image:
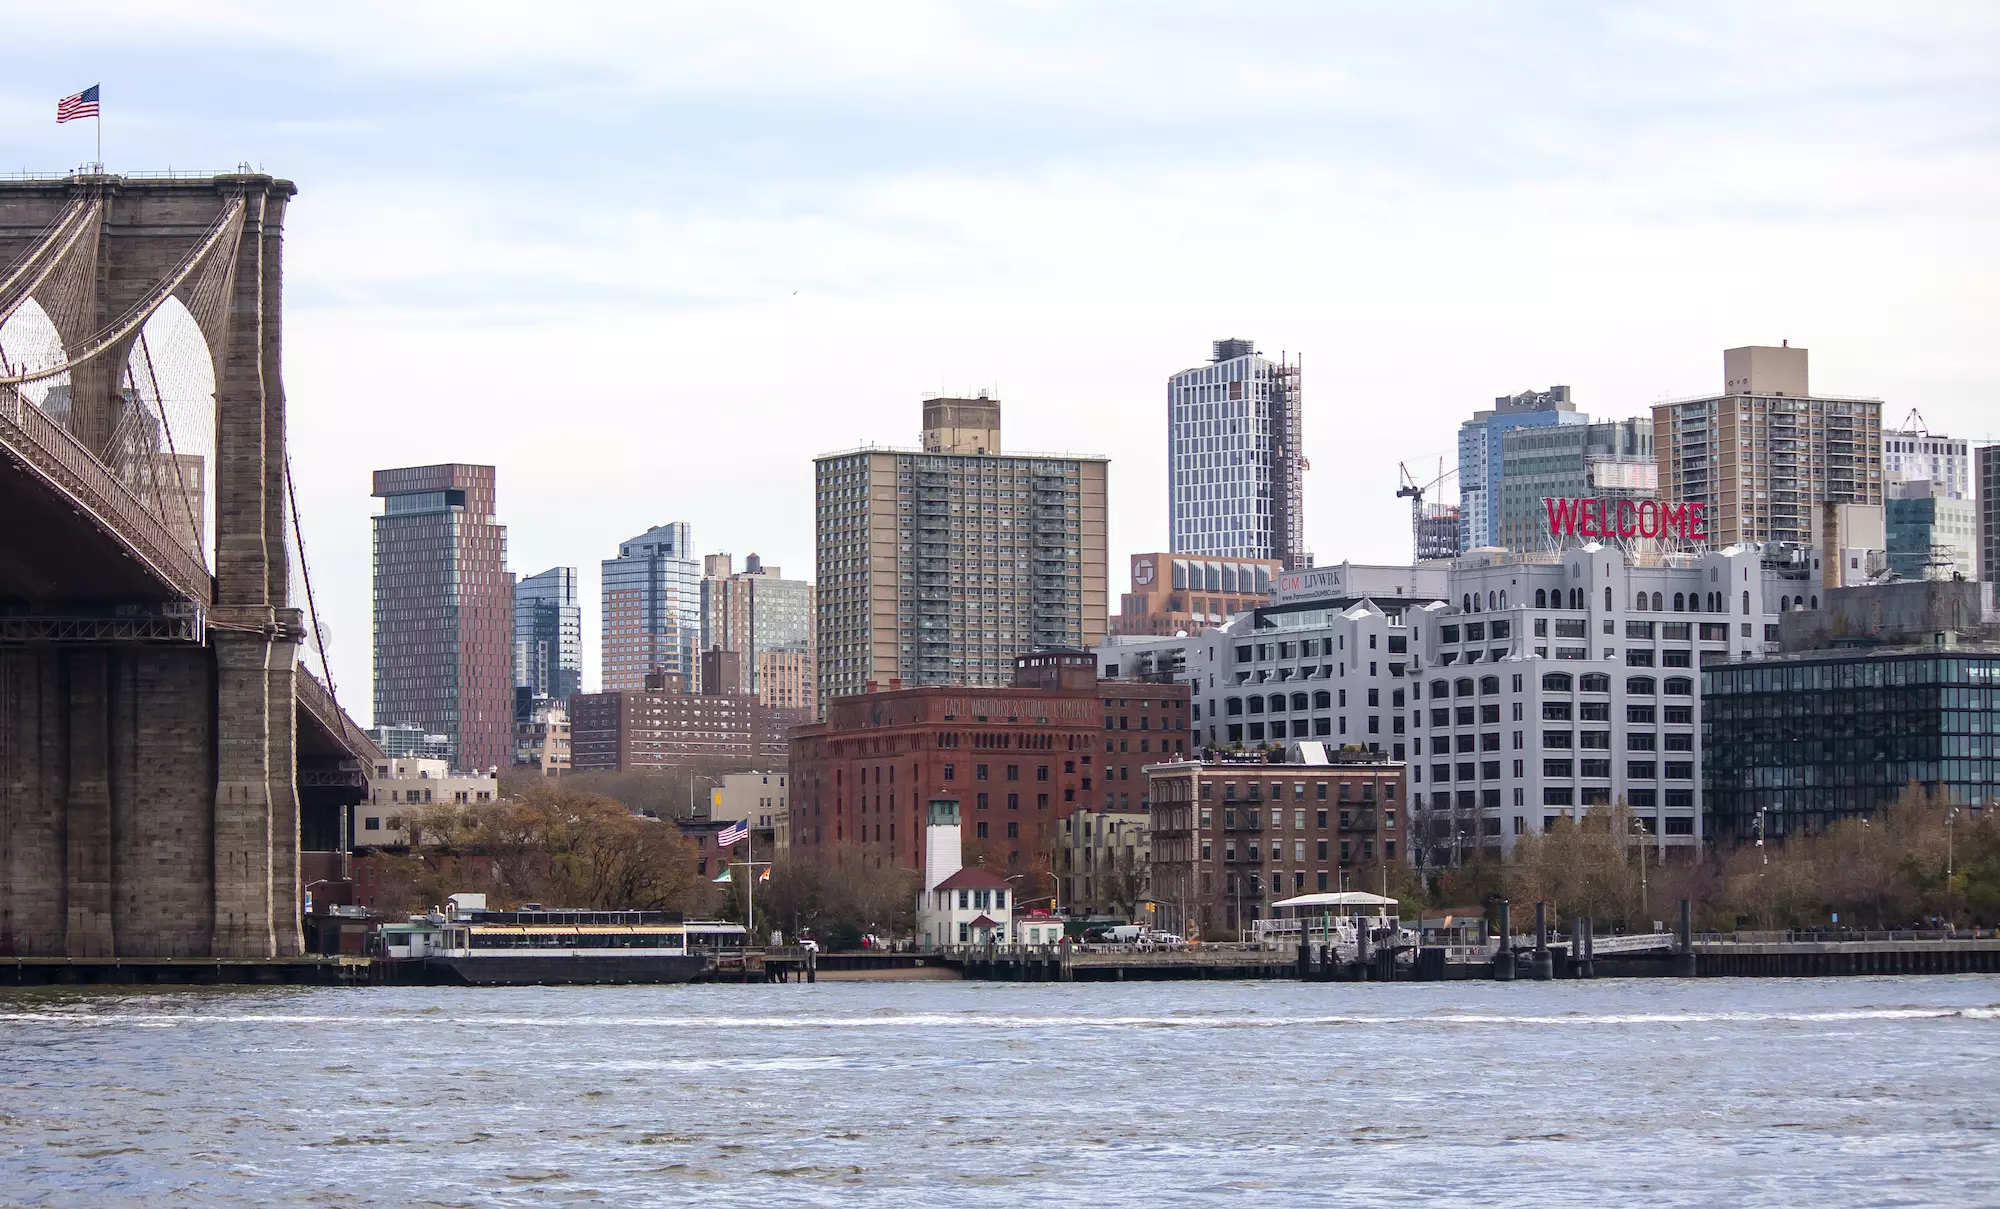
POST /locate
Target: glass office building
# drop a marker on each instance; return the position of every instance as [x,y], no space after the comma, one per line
[652,609]
[1812,738]
[548,635]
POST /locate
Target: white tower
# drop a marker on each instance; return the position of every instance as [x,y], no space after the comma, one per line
[943,851]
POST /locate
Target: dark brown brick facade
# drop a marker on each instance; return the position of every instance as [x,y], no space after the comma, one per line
[1019,760]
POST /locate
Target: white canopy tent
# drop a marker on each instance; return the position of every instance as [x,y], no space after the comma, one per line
[1345,898]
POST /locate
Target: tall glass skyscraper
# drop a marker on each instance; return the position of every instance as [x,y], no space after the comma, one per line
[548,635]
[443,606]
[652,609]
[1235,469]
[1481,465]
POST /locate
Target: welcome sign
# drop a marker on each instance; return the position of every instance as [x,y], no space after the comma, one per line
[1626,519]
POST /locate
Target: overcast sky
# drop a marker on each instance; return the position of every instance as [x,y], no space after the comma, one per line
[650,260]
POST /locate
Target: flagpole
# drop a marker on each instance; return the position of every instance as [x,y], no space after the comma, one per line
[750,873]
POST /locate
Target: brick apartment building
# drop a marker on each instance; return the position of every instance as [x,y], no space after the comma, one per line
[1231,838]
[1018,759]
[662,726]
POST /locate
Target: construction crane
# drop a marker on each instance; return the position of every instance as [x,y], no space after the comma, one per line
[1415,492]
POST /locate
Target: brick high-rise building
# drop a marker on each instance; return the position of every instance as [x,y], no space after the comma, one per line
[1764,455]
[444,611]
[660,727]
[1987,476]
[1019,759]
[939,566]
[768,621]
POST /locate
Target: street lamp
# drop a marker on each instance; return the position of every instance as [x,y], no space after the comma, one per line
[1949,815]
[1639,825]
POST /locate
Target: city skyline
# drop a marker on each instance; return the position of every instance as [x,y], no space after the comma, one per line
[789,271]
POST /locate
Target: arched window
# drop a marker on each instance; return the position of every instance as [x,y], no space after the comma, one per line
[1465,604]
[1815,602]
[1256,705]
[1462,687]
[1489,685]
[1576,599]
[1503,598]
[1440,690]
[1746,604]
[1489,600]
[1298,702]
[1639,685]
[1680,603]
[1607,597]
[1658,600]
[1232,706]
[1594,682]
[1277,703]
[1784,604]
[1679,686]
[1322,700]
[1639,602]
[1541,598]
[1556,682]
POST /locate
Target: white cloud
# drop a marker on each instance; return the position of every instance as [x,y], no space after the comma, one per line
[650,260]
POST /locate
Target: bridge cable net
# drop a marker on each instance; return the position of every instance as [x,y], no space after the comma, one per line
[136,394]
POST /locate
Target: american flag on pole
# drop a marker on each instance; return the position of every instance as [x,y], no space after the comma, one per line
[77,105]
[735,833]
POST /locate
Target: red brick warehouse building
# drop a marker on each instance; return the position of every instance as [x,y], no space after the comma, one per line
[1019,760]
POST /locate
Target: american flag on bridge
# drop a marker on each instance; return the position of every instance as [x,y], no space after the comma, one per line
[735,833]
[77,105]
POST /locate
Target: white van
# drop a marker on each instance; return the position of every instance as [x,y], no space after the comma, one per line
[1125,934]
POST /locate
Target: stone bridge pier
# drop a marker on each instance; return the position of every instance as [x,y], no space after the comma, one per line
[148,720]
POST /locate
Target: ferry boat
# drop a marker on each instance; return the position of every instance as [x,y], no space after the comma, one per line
[467,943]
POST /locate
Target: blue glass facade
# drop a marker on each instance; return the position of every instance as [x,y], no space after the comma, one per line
[1816,738]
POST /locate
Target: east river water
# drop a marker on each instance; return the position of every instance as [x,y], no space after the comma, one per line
[1833,1092]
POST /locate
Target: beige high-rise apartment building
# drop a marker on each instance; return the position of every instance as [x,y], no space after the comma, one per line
[940,565]
[767,620]
[1763,456]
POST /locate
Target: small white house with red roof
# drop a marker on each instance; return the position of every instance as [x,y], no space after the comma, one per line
[959,906]
[971,907]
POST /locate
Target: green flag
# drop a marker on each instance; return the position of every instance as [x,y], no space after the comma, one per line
[724,877]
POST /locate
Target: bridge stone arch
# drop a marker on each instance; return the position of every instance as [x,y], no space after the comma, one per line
[148,797]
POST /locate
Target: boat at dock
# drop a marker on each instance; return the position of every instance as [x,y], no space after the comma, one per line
[468,944]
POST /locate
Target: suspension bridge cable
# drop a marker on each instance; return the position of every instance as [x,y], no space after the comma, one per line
[160,404]
[305,573]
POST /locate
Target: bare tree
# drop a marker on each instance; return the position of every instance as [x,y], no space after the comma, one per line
[1124,882]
